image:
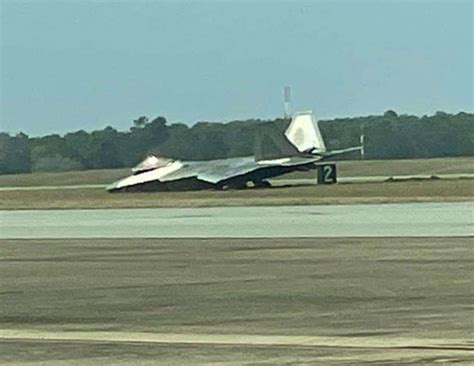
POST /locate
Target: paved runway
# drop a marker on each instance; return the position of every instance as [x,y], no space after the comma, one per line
[381,220]
[287,299]
[324,301]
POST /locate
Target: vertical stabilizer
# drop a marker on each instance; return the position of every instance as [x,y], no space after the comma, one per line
[303,132]
[271,142]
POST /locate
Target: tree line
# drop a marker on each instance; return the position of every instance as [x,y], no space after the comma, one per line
[387,136]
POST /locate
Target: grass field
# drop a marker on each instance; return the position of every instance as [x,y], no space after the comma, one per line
[368,168]
[382,192]
[345,169]
[384,301]
[104,176]
[386,192]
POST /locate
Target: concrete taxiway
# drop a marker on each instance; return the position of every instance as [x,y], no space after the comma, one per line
[375,220]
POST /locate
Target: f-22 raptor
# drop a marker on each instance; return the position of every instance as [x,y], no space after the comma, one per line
[295,145]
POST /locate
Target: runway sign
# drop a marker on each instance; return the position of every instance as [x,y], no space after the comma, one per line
[327,174]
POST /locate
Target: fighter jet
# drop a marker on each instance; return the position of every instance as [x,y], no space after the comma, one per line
[295,145]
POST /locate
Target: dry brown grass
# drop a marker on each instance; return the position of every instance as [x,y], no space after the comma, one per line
[104,176]
[345,169]
[410,191]
[368,168]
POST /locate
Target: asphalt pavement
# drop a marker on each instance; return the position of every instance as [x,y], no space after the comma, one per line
[360,220]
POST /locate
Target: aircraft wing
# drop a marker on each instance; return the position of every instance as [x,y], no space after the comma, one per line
[280,148]
[216,172]
[212,171]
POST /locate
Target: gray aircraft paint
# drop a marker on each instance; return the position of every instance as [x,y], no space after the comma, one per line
[383,220]
[280,148]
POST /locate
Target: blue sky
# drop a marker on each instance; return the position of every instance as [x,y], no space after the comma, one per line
[76,65]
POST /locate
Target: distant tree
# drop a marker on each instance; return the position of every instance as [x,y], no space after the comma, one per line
[178,145]
[14,154]
[387,136]
[390,114]
[140,121]
[56,163]
[104,144]
[79,146]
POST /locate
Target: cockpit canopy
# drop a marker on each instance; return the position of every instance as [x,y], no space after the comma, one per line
[151,162]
